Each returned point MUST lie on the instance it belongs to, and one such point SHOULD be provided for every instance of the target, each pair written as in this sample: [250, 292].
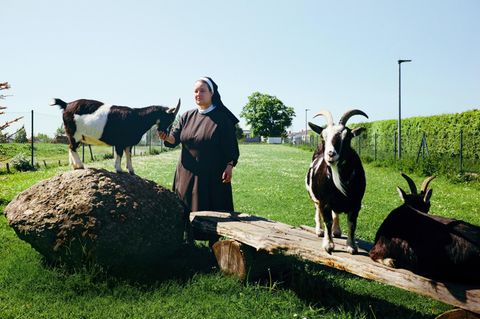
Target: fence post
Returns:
[395, 146]
[359, 146]
[375, 146]
[83, 152]
[32, 140]
[461, 153]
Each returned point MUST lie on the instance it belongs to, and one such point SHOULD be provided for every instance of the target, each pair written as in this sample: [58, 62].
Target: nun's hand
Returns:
[227, 174]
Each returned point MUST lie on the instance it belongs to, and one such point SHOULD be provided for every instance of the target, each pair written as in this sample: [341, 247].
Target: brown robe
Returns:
[208, 144]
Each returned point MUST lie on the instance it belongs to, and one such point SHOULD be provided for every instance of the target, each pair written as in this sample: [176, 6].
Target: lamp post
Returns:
[306, 125]
[400, 107]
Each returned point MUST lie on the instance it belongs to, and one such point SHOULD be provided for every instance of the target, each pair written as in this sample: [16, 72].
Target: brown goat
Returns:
[429, 245]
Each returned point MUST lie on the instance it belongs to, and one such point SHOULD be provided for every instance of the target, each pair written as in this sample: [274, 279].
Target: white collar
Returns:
[207, 110]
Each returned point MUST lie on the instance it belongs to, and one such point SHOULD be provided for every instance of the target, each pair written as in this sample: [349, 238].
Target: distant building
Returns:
[60, 139]
[299, 137]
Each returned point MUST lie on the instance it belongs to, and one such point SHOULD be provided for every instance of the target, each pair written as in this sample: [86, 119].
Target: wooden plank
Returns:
[273, 237]
[458, 314]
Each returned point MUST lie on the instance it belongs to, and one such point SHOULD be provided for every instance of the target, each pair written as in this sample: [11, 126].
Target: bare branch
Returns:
[4, 86]
[22, 128]
[7, 124]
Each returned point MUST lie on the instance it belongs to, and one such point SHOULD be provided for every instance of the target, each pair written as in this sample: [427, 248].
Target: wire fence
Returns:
[48, 155]
[459, 154]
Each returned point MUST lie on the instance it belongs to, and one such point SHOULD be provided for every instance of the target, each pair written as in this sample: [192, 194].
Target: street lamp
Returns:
[400, 106]
[306, 125]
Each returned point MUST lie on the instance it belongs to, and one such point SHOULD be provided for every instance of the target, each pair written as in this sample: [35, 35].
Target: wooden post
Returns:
[246, 262]
[375, 147]
[8, 167]
[458, 314]
[44, 163]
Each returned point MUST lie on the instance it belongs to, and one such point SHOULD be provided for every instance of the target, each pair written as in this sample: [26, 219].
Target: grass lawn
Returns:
[269, 182]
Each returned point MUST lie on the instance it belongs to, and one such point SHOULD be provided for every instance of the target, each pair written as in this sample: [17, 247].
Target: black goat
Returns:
[429, 245]
[336, 179]
[93, 122]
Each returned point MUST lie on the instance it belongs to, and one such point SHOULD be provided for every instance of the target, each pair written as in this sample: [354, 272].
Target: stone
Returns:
[93, 216]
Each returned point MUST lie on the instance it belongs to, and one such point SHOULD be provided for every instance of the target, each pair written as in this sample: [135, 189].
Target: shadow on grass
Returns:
[181, 267]
[324, 287]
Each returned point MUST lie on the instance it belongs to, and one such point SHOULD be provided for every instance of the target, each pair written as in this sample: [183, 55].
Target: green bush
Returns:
[21, 163]
[442, 133]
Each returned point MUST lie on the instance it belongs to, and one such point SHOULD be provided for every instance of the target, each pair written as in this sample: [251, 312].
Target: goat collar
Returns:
[207, 110]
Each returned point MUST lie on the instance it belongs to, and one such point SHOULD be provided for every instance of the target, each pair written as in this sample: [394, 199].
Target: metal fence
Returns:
[149, 145]
[444, 154]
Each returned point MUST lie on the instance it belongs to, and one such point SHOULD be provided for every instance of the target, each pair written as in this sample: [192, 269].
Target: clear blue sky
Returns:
[332, 55]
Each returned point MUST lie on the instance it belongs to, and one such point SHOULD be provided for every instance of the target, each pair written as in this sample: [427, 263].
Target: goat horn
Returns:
[176, 109]
[411, 184]
[349, 114]
[426, 182]
[327, 115]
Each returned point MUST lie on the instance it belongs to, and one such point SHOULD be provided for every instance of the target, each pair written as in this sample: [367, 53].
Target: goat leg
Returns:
[328, 243]
[73, 157]
[318, 220]
[352, 247]
[128, 157]
[118, 159]
[337, 231]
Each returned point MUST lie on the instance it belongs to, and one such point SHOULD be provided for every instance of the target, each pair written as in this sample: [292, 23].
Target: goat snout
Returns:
[331, 156]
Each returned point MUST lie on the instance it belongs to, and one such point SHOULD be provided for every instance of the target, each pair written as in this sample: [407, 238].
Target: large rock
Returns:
[96, 216]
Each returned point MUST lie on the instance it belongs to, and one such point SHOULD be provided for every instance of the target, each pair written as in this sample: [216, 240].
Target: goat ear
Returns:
[317, 129]
[427, 196]
[403, 195]
[357, 131]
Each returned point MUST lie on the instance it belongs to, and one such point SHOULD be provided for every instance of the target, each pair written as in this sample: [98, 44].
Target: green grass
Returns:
[269, 182]
[53, 154]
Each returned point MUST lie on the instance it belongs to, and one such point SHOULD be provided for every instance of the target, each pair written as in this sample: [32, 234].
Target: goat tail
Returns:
[62, 104]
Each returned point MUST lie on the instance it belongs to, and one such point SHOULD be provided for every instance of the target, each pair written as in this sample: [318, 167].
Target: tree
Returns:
[21, 136]
[239, 132]
[267, 115]
[60, 131]
[43, 138]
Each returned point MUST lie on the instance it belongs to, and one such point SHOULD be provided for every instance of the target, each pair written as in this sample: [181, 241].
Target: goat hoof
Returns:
[319, 232]
[389, 262]
[337, 234]
[328, 247]
[131, 172]
[352, 250]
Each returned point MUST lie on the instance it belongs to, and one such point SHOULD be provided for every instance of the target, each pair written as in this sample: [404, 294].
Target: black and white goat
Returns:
[336, 179]
[93, 122]
[429, 245]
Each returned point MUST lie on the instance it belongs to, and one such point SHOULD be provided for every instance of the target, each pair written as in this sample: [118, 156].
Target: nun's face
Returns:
[202, 95]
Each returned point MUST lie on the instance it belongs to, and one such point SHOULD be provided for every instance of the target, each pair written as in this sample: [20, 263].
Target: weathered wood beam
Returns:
[274, 237]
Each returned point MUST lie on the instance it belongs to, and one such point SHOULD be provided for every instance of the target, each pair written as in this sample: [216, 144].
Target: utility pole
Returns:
[399, 129]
